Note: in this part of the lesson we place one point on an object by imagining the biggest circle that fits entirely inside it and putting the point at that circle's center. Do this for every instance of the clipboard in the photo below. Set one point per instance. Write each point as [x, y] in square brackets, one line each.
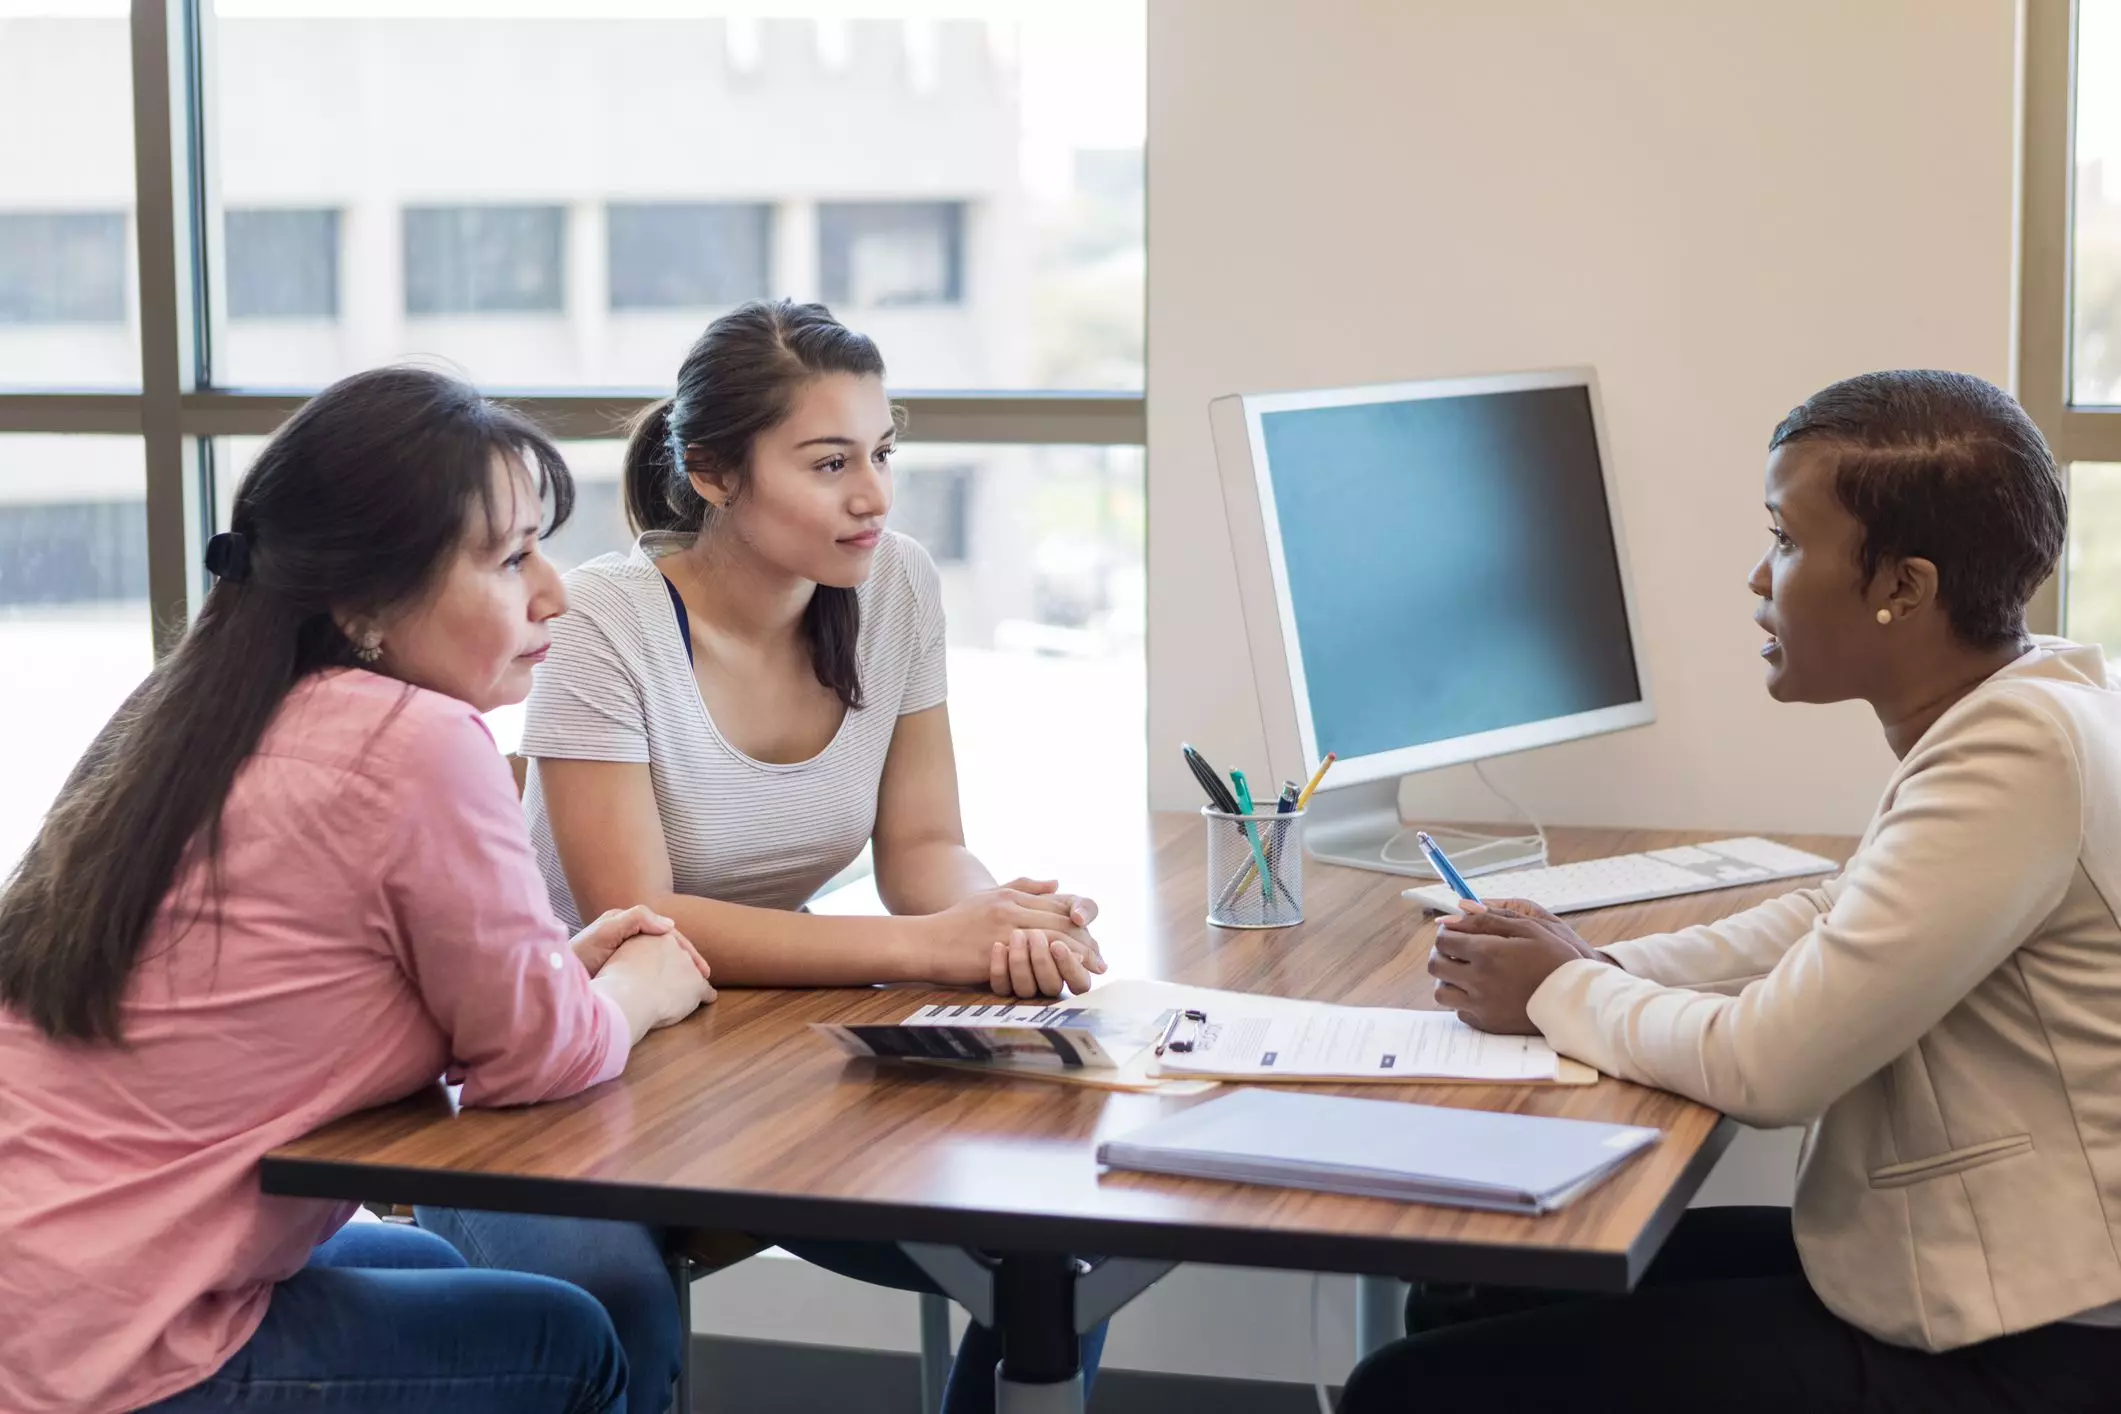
[1209, 1031]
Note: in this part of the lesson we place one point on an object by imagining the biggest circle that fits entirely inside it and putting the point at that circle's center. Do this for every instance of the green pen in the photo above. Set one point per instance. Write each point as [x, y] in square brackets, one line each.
[1259, 856]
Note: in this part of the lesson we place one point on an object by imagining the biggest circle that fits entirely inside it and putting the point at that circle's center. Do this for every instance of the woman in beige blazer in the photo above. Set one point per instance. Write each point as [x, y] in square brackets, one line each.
[1944, 1014]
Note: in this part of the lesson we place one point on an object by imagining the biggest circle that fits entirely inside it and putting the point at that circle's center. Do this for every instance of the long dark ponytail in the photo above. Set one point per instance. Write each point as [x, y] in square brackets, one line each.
[737, 381]
[356, 505]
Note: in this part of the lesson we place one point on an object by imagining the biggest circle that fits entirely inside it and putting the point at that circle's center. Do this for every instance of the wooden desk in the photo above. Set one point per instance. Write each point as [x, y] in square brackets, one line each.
[743, 1118]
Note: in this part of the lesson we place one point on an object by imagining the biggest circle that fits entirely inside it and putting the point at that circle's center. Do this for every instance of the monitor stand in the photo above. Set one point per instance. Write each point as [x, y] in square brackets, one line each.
[1360, 826]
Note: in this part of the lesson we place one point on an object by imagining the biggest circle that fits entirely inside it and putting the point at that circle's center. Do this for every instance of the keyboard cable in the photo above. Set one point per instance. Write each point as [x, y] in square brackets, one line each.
[1539, 831]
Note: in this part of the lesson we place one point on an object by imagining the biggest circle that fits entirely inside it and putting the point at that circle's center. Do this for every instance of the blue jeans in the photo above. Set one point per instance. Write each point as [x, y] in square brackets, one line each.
[388, 1317]
[621, 1264]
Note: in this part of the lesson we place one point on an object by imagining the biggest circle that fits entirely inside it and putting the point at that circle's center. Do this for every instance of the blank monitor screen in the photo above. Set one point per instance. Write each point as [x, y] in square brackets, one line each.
[1450, 565]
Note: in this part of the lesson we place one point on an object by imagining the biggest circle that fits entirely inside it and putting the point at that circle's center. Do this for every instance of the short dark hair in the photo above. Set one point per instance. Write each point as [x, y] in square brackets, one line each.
[1948, 468]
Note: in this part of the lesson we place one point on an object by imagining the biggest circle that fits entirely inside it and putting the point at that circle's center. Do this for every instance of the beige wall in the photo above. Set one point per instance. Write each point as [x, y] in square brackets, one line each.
[1722, 206]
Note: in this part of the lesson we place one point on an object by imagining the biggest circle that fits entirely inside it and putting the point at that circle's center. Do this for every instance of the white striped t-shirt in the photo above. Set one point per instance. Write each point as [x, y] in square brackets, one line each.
[618, 686]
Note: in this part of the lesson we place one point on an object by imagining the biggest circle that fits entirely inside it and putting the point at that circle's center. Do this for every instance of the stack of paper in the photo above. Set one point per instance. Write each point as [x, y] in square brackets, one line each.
[1383, 1149]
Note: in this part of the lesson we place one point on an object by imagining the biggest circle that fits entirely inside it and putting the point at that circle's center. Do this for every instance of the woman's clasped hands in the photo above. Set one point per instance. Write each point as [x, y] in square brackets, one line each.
[650, 968]
[1024, 938]
[1491, 957]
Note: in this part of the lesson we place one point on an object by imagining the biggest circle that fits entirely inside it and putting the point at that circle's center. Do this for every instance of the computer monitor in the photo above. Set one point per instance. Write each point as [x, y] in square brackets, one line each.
[1431, 573]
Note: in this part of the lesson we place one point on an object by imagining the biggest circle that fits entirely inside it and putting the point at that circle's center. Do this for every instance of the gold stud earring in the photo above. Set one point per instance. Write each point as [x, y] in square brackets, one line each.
[1885, 616]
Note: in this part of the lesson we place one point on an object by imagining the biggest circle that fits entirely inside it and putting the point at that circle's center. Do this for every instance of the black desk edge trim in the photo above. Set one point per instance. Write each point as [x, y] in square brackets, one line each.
[1650, 1241]
[766, 1214]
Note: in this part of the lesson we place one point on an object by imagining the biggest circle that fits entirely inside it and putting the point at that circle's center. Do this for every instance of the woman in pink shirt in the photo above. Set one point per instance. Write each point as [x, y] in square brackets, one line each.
[291, 880]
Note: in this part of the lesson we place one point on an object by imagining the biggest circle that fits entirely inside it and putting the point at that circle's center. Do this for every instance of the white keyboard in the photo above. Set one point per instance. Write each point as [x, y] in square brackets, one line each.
[1631, 878]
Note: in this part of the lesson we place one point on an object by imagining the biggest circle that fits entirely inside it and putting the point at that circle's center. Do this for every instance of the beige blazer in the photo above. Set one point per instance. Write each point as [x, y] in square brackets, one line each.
[1945, 1014]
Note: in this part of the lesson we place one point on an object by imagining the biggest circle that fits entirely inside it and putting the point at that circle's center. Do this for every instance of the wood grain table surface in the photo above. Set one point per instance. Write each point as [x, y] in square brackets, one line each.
[742, 1118]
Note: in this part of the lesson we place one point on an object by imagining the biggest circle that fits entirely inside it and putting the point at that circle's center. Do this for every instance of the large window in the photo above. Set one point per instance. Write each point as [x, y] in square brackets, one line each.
[2095, 345]
[2070, 333]
[554, 197]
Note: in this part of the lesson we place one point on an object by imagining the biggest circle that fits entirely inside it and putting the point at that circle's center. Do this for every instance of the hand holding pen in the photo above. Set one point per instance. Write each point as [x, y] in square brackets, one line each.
[1445, 869]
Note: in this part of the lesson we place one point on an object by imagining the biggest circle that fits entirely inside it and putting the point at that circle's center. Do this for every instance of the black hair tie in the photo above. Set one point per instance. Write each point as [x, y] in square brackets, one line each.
[228, 557]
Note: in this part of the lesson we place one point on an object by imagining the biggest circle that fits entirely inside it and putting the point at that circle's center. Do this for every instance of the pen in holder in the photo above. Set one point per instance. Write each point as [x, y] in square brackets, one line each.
[1255, 868]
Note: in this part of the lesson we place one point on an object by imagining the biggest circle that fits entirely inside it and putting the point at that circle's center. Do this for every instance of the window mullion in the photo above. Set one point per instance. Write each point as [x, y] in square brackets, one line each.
[164, 151]
[2043, 237]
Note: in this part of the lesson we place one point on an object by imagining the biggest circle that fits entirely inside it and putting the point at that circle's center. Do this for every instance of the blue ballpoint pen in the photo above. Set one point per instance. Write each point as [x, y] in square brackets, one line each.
[1259, 856]
[1445, 870]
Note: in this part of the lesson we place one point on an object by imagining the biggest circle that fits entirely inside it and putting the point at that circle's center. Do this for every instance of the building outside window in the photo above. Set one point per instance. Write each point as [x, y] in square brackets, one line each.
[283, 264]
[485, 259]
[688, 255]
[875, 254]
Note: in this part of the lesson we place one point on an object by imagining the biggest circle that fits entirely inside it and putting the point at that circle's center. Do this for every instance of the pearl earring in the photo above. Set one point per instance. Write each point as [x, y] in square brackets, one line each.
[368, 648]
[1885, 616]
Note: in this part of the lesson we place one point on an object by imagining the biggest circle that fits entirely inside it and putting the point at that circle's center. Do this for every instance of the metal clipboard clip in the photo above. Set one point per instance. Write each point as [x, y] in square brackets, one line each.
[1172, 1041]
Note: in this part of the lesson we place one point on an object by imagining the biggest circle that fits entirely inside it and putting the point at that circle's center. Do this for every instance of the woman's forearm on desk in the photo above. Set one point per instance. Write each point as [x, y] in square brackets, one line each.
[773, 947]
[1729, 953]
[928, 876]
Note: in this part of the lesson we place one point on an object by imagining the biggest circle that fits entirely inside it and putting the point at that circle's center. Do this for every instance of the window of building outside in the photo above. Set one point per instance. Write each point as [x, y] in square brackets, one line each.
[874, 254]
[62, 267]
[283, 264]
[2092, 578]
[688, 255]
[485, 259]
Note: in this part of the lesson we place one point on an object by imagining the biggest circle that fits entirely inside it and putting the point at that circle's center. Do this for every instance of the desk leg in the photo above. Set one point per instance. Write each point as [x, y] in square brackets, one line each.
[935, 1351]
[1034, 1309]
[1041, 1303]
[1380, 1314]
[682, 1271]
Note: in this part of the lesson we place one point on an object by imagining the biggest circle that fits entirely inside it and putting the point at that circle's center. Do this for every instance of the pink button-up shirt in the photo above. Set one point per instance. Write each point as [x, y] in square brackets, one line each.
[383, 922]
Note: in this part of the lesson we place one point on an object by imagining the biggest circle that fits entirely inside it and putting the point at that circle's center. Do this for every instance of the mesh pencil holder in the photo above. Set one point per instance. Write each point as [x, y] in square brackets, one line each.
[1240, 893]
